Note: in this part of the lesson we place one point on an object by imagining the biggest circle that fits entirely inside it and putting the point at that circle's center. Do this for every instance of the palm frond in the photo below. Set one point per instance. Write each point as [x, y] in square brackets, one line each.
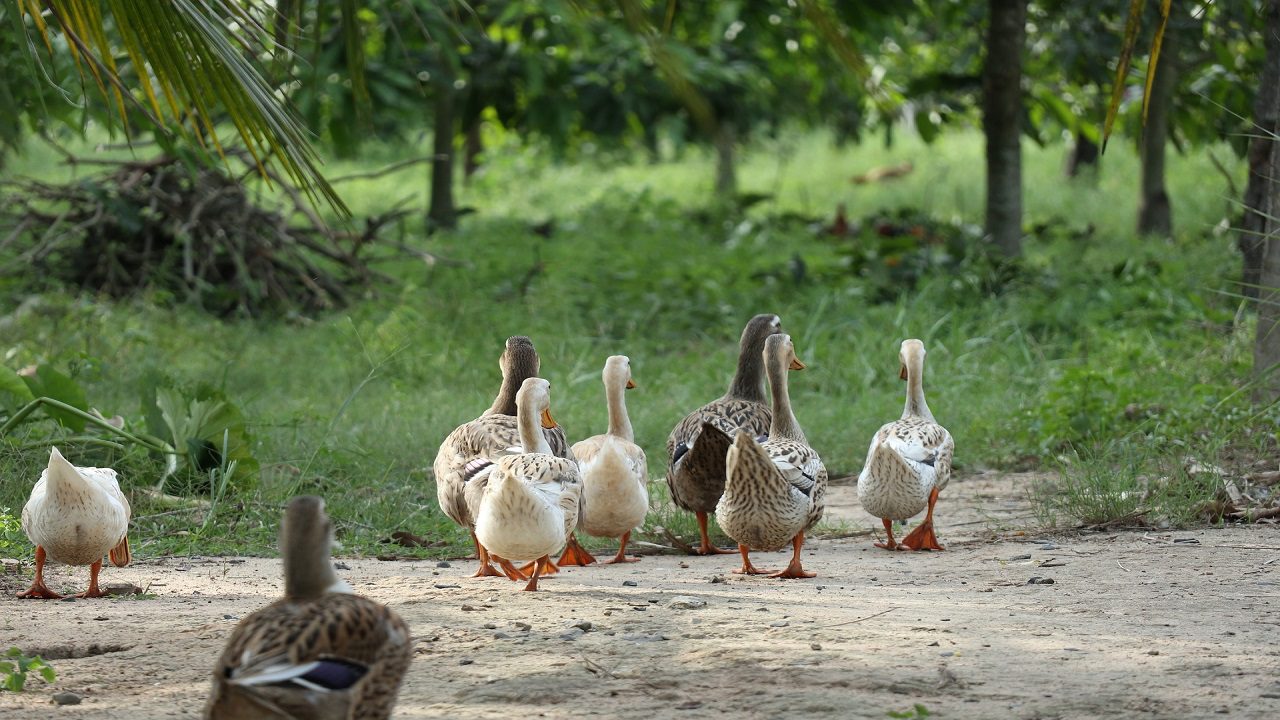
[189, 70]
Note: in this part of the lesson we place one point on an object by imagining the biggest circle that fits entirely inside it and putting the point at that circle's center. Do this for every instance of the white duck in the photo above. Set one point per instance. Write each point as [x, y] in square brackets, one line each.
[615, 496]
[530, 502]
[320, 651]
[909, 461]
[75, 516]
[774, 491]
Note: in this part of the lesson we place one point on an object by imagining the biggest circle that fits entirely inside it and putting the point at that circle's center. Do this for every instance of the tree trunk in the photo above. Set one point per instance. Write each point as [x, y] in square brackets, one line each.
[726, 173]
[1155, 213]
[442, 214]
[474, 146]
[1083, 156]
[1266, 353]
[1002, 122]
[1266, 120]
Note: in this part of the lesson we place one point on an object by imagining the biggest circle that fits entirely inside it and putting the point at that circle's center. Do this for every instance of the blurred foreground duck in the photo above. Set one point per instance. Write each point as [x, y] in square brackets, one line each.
[465, 457]
[697, 447]
[775, 490]
[615, 494]
[319, 652]
[909, 461]
[530, 502]
[75, 516]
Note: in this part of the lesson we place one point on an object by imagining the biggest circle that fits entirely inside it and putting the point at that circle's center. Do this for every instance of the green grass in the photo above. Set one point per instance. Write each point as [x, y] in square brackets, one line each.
[353, 405]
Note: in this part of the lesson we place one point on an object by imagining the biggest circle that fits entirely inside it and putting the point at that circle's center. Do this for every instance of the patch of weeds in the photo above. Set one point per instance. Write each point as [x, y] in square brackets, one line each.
[13, 542]
[1123, 483]
[14, 667]
[916, 711]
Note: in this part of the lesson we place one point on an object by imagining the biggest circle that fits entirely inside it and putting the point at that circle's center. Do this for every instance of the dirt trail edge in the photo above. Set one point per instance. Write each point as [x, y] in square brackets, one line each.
[1130, 624]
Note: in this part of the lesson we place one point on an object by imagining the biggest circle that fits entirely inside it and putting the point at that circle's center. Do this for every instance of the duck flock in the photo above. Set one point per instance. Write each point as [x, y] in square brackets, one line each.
[513, 480]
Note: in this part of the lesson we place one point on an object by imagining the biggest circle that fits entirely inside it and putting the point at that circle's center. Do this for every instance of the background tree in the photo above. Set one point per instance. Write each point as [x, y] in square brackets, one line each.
[1002, 111]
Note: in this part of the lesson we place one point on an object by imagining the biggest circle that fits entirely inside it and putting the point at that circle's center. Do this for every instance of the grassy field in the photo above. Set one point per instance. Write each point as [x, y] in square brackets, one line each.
[1128, 350]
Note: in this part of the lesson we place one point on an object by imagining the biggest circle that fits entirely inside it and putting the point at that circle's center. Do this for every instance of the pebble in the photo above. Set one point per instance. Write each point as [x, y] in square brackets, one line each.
[716, 579]
[779, 623]
[685, 602]
[1153, 652]
[933, 644]
[1040, 581]
[583, 625]
[815, 646]
[572, 633]
[1019, 557]
[445, 586]
[1049, 546]
[640, 637]
[523, 626]
[629, 583]
[489, 626]
[443, 564]
[468, 608]
[500, 635]
[66, 698]
[230, 617]
[947, 653]
[466, 661]
[341, 566]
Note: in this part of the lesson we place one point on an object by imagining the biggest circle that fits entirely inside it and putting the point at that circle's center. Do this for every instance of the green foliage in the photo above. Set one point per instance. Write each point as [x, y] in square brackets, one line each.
[13, 542]
[48, 382]
[917, 711]
[207, 428]
[14, 667]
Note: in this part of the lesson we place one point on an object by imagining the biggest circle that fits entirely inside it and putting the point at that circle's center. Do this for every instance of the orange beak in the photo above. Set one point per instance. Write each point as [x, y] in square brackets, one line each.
[548, 422]
[902, 374]
[631, 384]
[796, 364]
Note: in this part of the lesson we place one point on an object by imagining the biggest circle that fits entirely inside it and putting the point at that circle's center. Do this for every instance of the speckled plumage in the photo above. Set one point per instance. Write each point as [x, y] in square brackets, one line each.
[530, 503]
[317, 653]
[909, 460]
[475, 445]
[697, 446]
[75, 516]
[775, 490]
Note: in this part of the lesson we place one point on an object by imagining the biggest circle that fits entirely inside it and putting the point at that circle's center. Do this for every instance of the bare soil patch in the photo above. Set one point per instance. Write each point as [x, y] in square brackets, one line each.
[1127, 624]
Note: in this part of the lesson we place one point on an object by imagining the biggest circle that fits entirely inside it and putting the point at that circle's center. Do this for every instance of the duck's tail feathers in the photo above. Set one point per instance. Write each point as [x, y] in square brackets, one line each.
[709, 449]
[120, 555]
[889, 460]
[746, 455]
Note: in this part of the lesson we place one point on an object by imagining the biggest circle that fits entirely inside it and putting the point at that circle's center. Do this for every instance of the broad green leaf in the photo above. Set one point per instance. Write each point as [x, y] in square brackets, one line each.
[48, 382]
[14, 393]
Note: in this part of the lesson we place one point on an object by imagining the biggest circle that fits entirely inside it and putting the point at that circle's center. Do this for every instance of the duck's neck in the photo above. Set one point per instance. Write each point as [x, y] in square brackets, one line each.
[532, 438]
[619, 421]
[784, 424]
[505, 403]
[308, 571]
[916, 406]
[746, 381]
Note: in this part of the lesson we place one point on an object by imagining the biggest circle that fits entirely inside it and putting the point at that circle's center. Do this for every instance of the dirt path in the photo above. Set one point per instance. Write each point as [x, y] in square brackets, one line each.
[1161, 625]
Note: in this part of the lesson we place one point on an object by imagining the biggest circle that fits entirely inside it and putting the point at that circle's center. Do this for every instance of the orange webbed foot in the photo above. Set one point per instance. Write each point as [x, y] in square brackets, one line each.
[539, 566]
[39, 591]
[922, 538]
[747, 568]
[511, 571]
[575, 554]
[486, 570]
[794, 573]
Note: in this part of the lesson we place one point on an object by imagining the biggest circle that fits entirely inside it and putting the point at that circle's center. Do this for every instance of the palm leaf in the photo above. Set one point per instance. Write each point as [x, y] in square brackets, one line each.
[187, 52]
[1131, 27]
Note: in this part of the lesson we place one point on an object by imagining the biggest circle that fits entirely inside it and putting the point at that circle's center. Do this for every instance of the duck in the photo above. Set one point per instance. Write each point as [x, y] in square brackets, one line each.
[76, 516]
[472, 448]
[697, 446]
[530, 503]
[615, 495]
[320, 651]
[774, 490]
[909, 461]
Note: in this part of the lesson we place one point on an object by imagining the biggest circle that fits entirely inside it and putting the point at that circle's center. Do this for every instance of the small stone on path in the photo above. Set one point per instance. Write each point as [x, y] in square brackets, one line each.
[66, 698]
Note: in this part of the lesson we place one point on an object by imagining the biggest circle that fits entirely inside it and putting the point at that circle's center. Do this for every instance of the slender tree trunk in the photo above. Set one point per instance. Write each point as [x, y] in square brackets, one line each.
[474, 147]
[1083, 157]
[1002, 122]
[443, 214]
[1155, 212]
[1266, 121]
[1266, 354]
[726, 172]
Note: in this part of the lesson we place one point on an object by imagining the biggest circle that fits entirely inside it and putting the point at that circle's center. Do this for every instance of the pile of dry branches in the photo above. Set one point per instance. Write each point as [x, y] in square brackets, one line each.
[192, 231]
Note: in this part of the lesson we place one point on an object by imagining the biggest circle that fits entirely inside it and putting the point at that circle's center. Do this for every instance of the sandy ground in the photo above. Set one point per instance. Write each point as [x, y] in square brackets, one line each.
[1150, 625]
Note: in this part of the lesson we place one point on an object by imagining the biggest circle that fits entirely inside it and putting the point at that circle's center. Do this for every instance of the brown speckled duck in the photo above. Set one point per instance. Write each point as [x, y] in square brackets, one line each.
[697, 447]
[76, 515]
[909, 461]
[318, 652]
[468, 452]
[775, 490]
